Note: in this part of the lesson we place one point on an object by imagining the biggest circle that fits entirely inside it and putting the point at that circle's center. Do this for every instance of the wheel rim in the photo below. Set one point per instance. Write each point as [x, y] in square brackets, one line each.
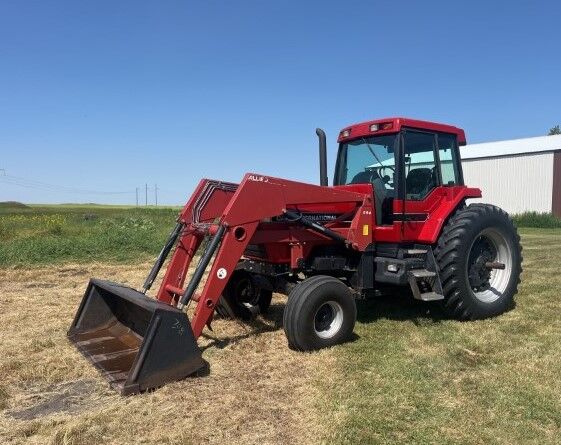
[328, 319]
[488, 285]
[246, 294]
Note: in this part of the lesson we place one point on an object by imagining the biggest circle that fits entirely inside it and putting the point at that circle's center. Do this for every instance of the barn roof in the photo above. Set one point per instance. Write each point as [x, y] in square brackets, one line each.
[511, 147]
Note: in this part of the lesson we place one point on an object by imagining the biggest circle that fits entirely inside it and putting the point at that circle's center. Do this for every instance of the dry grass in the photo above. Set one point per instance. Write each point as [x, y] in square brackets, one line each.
[258, 390]
[409, 377]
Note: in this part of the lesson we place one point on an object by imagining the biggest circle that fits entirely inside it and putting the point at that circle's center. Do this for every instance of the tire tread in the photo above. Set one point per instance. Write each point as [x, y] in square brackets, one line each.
[452, 240]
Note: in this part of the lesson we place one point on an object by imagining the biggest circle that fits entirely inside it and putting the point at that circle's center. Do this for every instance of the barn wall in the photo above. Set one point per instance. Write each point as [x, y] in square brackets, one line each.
[556, 193]
[516, 183]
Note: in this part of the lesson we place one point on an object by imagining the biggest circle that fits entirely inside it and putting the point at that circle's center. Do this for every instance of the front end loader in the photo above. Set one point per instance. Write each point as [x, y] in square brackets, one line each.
[396, 216]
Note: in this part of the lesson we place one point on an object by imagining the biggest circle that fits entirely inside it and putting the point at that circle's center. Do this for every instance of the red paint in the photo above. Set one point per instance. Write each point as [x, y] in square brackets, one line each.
[257, 198]
[250, 207]
[438, 206]
[362, 129]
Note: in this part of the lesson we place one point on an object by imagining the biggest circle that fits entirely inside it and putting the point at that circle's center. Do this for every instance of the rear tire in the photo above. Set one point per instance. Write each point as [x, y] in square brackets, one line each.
[475, 236]
[320, 312]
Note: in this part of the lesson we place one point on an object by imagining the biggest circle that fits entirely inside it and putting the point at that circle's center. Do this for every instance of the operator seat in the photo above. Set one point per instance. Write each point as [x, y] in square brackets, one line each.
[420, 181]
[380, 193]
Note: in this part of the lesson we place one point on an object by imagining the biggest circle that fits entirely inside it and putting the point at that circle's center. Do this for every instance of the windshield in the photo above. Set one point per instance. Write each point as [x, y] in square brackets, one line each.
[368, 160]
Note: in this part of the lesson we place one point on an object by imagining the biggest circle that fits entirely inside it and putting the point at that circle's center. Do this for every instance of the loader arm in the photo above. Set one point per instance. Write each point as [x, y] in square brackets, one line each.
[237, 215]
[205, 206]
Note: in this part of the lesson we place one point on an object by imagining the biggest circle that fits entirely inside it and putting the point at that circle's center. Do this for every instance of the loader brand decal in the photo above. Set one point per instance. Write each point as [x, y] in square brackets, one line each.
[321, 217]
[316, 217]
[256, 178]
[178, 327]
[221, 273]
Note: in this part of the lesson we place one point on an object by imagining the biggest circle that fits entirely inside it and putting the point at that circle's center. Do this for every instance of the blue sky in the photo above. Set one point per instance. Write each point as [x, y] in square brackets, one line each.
[108, 95]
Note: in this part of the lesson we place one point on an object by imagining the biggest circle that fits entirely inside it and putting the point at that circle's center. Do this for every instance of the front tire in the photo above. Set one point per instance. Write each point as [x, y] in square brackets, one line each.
[474, 239]
[320, 312]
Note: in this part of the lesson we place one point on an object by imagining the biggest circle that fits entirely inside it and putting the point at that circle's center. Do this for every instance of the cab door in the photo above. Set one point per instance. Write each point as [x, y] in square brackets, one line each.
[429, 174]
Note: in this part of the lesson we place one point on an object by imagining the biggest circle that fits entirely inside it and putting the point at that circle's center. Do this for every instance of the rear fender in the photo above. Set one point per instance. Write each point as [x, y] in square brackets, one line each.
[433, 212]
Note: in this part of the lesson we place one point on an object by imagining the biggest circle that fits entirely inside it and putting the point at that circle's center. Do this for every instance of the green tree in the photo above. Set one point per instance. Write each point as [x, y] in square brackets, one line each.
[554, 130]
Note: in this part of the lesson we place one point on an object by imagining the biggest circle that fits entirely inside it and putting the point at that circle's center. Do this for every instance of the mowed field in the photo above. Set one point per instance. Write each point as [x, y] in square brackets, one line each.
[409, 376]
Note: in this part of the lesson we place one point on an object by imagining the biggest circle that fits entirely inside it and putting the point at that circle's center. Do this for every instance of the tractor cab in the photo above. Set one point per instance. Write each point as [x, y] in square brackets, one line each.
[404, 160]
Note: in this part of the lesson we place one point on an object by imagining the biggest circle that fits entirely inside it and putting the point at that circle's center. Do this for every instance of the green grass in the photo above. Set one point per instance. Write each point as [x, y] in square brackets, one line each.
[413, 377]
[539, 220]
[81, 233]
[50, 234]
[410, 376]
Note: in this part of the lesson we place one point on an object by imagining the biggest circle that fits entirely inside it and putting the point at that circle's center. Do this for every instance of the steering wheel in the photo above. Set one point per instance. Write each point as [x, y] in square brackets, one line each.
[383, 167]
[383, 174]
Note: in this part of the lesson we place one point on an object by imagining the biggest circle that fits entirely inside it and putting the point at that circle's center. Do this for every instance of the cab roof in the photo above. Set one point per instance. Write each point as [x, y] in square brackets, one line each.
[391, 125]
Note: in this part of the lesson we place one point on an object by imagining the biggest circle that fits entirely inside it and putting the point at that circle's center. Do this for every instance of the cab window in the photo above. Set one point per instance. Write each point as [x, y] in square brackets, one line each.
[449, 165]
[366, 160]
[371, 160]
[421, 175]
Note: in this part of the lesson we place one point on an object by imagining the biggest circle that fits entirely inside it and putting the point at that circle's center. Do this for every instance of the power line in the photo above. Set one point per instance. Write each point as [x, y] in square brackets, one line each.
[48, 187]
[44, 186]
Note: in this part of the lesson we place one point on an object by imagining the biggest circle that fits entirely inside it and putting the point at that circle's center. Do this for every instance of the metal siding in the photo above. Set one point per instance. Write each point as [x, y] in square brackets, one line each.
[538, 144]
[515, 183]
[556, 192]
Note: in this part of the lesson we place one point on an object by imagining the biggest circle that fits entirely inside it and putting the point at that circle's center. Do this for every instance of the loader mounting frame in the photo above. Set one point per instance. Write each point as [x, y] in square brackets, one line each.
[228, 213]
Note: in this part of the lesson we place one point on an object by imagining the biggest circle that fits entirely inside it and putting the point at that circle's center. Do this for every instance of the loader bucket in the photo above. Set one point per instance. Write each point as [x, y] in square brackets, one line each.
[135, 341]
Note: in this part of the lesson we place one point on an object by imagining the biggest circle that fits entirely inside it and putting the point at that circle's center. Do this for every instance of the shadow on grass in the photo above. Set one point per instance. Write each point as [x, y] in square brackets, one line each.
[269, 322]
[398, 305]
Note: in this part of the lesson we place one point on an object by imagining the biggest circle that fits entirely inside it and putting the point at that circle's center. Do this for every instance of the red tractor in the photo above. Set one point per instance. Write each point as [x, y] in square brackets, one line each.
[396, 215]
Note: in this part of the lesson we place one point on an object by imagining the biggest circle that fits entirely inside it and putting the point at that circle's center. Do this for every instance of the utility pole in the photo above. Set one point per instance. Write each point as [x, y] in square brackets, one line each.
[137, 196]
[146, 193]
[156, 193]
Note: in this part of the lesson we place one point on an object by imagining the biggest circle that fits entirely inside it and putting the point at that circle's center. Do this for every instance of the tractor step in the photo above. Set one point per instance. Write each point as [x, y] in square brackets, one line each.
[416, 251]
[430, 296]
[422, 273]
[428, 278]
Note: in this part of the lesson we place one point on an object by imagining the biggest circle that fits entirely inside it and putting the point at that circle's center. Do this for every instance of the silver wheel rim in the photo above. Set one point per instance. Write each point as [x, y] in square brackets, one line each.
[328, 319]
[499, 278]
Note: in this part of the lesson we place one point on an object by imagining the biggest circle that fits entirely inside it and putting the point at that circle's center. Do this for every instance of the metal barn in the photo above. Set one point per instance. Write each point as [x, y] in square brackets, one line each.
[518, 175]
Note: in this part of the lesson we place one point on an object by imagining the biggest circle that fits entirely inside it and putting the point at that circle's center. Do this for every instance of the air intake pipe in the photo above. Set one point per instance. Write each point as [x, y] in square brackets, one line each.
[322, 158]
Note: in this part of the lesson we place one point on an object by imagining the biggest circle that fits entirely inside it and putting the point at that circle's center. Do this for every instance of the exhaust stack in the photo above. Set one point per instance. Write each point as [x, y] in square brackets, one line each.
[322, 158]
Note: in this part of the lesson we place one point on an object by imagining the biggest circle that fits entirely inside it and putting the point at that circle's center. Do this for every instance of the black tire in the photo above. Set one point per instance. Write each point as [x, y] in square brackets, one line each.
[244, 298]
[469, 240]
[310, 306]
